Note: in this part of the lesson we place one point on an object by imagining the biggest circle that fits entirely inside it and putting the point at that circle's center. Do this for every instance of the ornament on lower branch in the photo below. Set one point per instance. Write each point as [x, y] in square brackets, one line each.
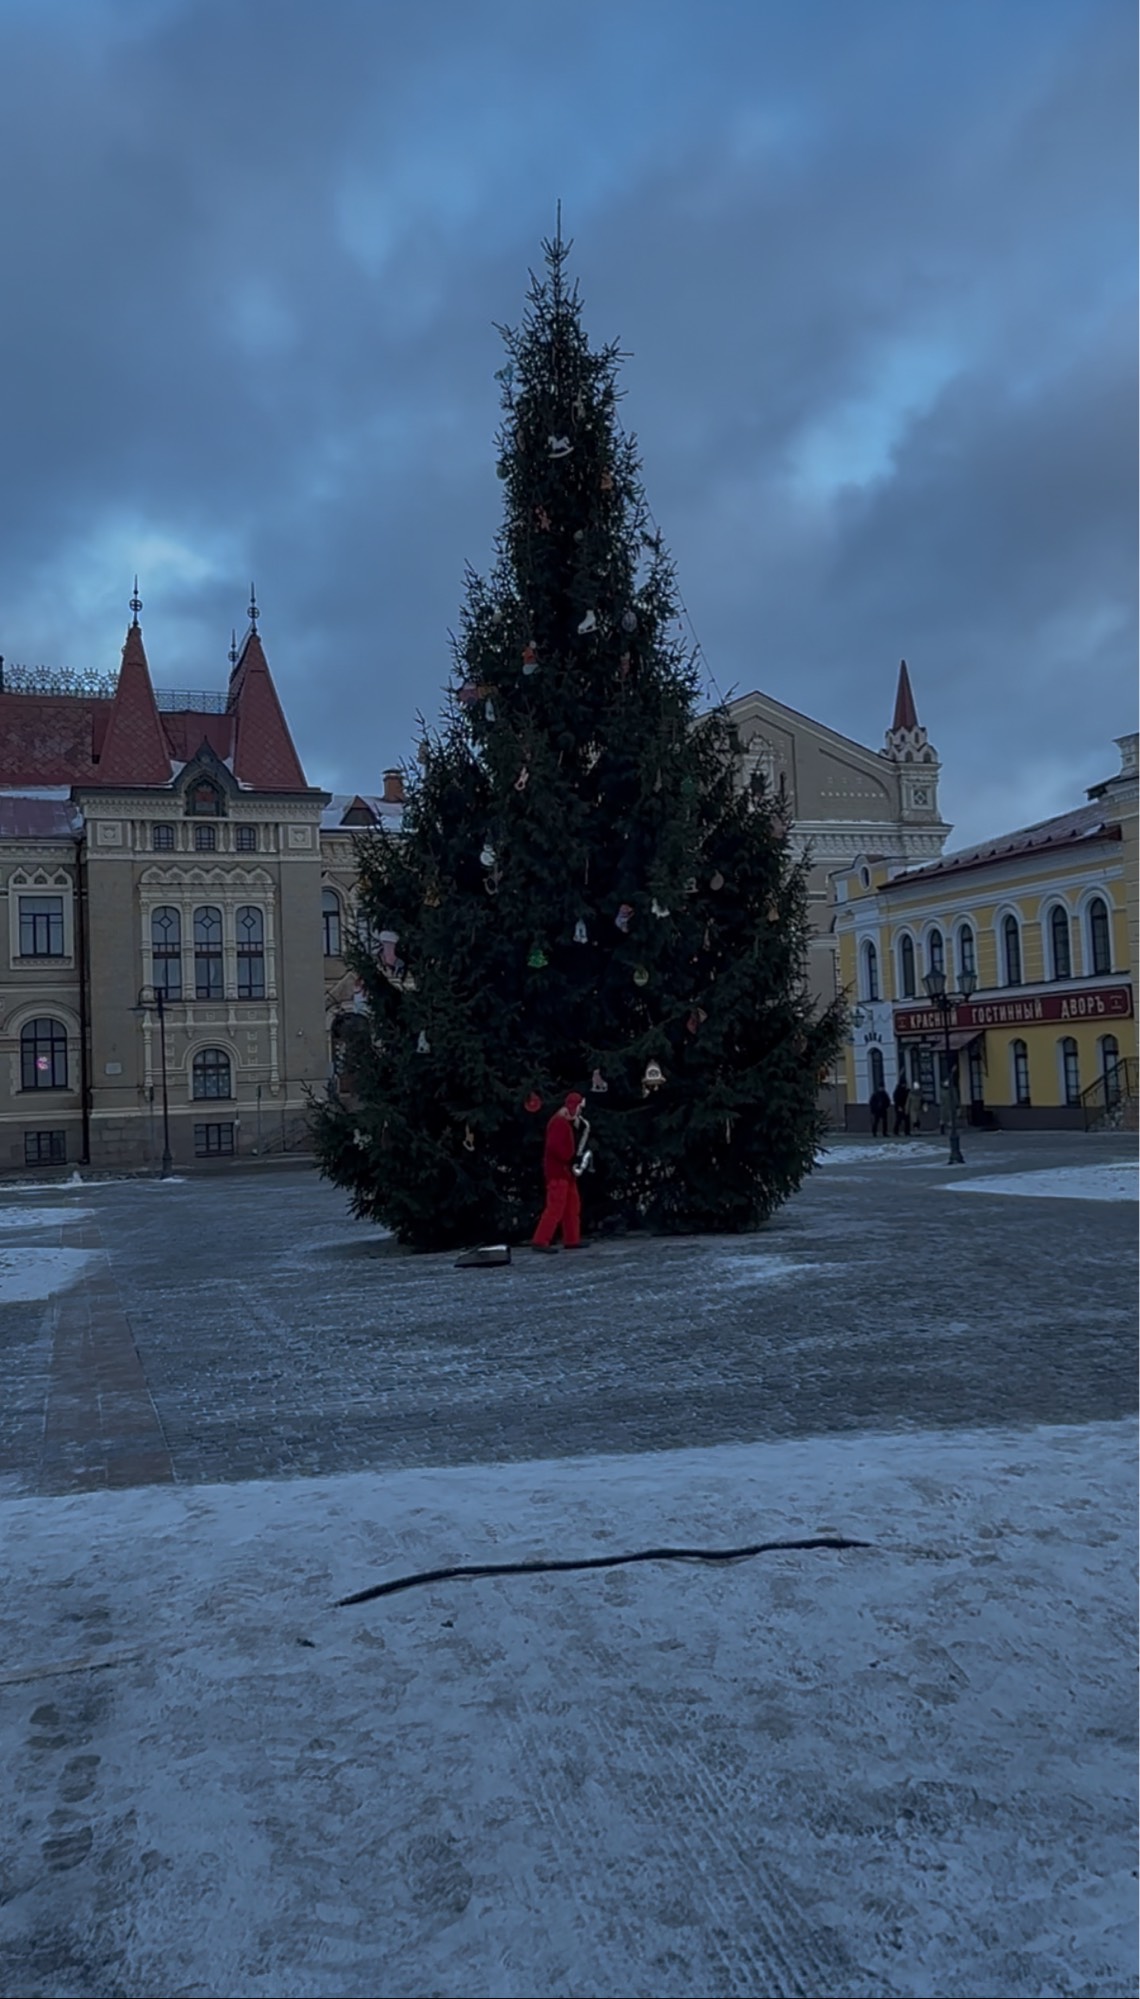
[580, 934]
[542, 518]
[625, 666]
[640, 976]
[695, 1018]
[530, 658]
[588, 624]
[388, 940]
[658, 908]
[598, 1083]
[624, 917]
[653, 1078]
[468, 1139]
[537, 958]
[559, 447]
[423, 1045]
[532, 1102]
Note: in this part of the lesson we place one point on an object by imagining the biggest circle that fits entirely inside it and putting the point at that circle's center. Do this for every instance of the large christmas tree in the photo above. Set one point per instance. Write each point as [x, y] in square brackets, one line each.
[583, 895]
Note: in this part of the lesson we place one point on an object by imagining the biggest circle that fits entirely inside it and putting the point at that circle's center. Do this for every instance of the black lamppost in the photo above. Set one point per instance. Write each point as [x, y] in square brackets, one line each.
[935, 983]
[152, 996]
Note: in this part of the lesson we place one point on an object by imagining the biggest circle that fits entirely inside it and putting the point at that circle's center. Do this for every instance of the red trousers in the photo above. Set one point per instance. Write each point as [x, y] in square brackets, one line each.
[563, 1210]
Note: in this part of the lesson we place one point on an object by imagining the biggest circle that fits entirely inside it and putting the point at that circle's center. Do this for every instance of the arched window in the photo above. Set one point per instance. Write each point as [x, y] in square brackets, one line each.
[1100, 936]
[166, 952]
[250, 926]
[1110, 1067]
[43, 1055]
[976, 1069]
[1060, 942]
[935, 952]
[967, 951]
[876, 1060]
[907, 986]
[1011, 947]
[1020, 1054]
[208, 954]
[870, 972]
[204, 800]
[330, 916]
[210, 1075]
[1070, 1070]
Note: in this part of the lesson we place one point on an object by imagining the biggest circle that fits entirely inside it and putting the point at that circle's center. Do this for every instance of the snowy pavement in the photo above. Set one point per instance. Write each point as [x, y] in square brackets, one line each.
[908, 1769]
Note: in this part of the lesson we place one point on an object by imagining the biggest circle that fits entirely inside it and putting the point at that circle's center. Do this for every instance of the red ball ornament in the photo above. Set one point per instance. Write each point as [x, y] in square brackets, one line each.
[533, 1102]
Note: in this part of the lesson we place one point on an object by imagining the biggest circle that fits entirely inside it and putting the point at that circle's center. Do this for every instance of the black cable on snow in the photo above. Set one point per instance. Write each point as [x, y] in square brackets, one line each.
[838, 1541]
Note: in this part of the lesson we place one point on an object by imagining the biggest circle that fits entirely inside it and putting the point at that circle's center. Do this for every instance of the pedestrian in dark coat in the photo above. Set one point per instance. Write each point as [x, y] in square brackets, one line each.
[901, 1101]
[880, 1111]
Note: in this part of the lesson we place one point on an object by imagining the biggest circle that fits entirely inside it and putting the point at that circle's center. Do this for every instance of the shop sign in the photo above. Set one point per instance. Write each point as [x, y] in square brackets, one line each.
[1093, 1003]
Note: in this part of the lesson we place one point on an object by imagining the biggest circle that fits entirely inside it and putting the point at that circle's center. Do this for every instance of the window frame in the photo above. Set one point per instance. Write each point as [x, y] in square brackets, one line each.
[251, 954]
[245, 839]
[33, 942]
[966, 949]
[205, 837]
[162, 837]
[30, 1054]
[211, 1066]
[332, 914]
[871, 991]
[1100, 935]
[225, 1149]
[908, 967]
[936, 951]
[206, 953]
[57, 1148]
[1019, 1051]
[1070, 1057]
[165, 956]
[1059, 915]
[1011, 933]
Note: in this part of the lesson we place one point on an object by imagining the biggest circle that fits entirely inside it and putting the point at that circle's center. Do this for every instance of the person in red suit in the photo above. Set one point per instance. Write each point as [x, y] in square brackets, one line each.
[563, 1208]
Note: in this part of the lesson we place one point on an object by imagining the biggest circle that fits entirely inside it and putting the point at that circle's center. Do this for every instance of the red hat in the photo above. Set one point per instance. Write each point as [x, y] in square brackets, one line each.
[574, 1102]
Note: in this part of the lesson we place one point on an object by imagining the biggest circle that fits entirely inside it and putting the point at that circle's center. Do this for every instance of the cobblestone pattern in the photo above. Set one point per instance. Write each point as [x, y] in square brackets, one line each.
[277, 1337]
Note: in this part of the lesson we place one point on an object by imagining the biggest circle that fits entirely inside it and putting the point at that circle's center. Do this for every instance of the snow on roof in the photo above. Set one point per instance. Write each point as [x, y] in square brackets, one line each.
[1067, 829]
[383, 812]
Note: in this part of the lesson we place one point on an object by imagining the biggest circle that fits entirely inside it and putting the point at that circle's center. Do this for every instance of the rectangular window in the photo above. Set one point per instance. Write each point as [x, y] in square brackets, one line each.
[45, 1148]
[208, 953]
[162, 839]
[41, 926]
[247, 839]
[213, 1141]
[1021, 1074]
[205, 839]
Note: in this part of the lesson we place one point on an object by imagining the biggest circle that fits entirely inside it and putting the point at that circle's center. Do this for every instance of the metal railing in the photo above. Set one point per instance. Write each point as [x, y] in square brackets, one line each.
[1106, 1101]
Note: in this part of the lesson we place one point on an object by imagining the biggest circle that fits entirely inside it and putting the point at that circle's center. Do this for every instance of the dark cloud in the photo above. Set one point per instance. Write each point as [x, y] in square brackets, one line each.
[875, 265]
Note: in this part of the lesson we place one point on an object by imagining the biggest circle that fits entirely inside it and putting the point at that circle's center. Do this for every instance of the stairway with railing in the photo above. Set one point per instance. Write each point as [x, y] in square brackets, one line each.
[1110, 1104]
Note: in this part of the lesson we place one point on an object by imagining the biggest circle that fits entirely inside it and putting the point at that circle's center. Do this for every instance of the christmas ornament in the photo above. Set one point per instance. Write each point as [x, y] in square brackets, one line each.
[423, 1045]
[502, 468]
[542, 517]
[533, 1102]
[537, 958]
[653, 1078]
[579, 408]
[598, 1083]
[559, 447]
[592, 755]
[695, 1018]
[728, 1131]
[579, 534]
[628, 621]
[388, 941]
[707, 944]
[589, 624]
[491, 881]
[691, 885]
[606, 482]
[523, 779]
[624, 665]
[773, 912]
[530, 659]
[580, 936]
[423, 753]
[489, 710]
[360, 1138]
[717, 880]
[506, 373]
[487, 857]
[468, 694]
[468, 1139]
[640, 976]
[432, 897]
[624, 917]
[657, 782]
[496, 616]
[657, 908]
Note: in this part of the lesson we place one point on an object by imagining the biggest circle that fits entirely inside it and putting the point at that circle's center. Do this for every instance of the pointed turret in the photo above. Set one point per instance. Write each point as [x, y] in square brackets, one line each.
[906, 715]
[264, 756]
[135, 750]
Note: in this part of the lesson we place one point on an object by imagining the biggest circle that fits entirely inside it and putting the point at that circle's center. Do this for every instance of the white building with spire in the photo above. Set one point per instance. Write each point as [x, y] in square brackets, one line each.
[845, 802]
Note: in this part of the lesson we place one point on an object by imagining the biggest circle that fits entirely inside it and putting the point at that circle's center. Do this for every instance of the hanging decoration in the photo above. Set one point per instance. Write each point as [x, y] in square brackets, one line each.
[624, 665]
[653, 1078]
[530, 658]
[487, 857]
[717, 880]
[695, 1018]
[388, 940]
[598, 1083]
[423, 1045]
[691, 885]
[579, 408]
[559, 447]
[543, 518]
[640, 976]
[657, 782]
[423, 753]
[503, 469]
[489, 710]
[624, 917]
[468, 694]
[707, 944]
[657, 908]
[607, 482]
[728, 1131]
[628, 621]
[588, 624]
[533, 1102]
[523, 779]
[491, 881]
[579, 534]
[580, 936]
[432, 896]
[773, 911]
[468, 1139]
[537, 958]
[360, 1138]
[496, 616]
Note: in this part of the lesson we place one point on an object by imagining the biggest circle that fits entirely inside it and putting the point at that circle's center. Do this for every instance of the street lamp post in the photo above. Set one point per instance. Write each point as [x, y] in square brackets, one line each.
[153, 997]
[935, 983]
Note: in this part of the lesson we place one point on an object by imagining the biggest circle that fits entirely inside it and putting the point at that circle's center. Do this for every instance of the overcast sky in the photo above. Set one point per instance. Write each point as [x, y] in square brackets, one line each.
[873, 260]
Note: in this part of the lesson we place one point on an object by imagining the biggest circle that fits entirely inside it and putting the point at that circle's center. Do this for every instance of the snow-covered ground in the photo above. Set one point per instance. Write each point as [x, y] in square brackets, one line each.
[902, 1770]
[1120, 1182]
[895, 1149]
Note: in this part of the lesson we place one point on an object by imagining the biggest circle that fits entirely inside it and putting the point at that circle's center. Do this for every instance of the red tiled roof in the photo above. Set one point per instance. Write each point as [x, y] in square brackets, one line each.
[49, 738]
[24, 818]
[135, 751]
[1068, 829]
[185, 729]
[264, 756]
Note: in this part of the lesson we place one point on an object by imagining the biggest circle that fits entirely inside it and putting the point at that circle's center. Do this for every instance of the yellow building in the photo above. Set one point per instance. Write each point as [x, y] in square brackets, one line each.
[1045, 920]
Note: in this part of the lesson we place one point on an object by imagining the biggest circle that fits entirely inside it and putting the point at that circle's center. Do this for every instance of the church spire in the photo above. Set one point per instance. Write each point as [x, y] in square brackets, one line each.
[906, 715]
[135, 750]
